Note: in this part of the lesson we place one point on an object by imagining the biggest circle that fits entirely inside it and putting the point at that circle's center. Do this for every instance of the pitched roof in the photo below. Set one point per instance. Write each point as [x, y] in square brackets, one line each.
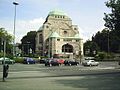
[54, 35]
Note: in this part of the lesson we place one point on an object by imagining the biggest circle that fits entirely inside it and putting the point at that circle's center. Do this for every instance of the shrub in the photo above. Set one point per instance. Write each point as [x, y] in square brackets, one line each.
[101, 55]
[19, 60]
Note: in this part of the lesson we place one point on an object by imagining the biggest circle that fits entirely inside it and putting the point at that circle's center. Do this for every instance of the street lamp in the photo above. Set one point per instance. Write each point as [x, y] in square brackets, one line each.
[15, 3]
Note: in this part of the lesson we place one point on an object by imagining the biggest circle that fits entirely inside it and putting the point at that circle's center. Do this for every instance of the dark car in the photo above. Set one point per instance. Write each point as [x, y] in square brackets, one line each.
[29, 61]
[119, 63]
[42, 61]
[70, 63]
[51, 62]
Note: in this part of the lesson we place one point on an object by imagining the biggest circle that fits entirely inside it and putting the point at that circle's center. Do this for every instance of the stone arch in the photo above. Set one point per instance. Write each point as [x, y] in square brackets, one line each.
[67, 48]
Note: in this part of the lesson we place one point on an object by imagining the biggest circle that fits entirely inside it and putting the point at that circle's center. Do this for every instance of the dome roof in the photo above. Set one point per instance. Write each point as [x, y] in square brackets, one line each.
[57, 12]
[54, 35]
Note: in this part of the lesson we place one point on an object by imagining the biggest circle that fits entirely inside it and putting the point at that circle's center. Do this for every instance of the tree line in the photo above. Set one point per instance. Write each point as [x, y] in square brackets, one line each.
[107, 40]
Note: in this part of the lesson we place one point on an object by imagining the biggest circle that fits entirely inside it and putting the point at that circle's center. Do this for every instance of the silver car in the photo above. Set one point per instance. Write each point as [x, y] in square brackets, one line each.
[7, 61]
[90, 63]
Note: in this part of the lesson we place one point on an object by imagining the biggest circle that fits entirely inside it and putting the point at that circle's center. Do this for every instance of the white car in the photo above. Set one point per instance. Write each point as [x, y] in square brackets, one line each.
[7, 60]
[90, 63]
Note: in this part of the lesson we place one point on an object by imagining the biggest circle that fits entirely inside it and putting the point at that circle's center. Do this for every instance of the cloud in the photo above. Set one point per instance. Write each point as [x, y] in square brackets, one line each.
[22, 27]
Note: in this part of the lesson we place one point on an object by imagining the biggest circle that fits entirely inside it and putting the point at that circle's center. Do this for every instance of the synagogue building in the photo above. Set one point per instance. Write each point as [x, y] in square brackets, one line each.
[59, 37]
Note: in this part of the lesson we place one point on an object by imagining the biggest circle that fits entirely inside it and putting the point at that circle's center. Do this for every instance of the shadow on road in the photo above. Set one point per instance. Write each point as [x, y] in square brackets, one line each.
[97, 82]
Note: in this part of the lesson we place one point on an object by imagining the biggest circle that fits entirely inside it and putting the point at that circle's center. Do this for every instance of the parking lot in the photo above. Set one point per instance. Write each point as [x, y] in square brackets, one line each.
[39, 77]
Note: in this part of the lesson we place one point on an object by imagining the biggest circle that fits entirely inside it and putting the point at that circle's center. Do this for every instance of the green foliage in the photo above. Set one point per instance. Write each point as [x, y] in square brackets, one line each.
[19, 60]
[28, 41]
[112, 22]
[9, 56]
[113, 19]
[1, 54]
[102, 39]
[104, 56]
[109, 38]
[101, 55]
[4, 36]
[90, 48]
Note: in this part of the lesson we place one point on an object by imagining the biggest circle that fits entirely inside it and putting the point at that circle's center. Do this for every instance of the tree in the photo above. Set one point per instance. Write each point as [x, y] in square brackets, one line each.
[4, 35]
[112, 22]
[28, 42]
[102, 39]
[90, 48]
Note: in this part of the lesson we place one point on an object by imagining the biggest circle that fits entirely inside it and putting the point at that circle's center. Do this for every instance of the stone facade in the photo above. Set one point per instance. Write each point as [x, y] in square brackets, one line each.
[57, 36]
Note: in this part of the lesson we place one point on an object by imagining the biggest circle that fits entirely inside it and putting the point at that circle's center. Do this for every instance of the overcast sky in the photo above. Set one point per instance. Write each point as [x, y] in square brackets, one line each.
[87, 14]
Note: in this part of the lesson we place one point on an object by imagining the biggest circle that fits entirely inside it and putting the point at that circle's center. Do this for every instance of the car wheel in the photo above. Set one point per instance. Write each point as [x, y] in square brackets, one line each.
[59, 64]
[90, 65]
[97, 65]
[50, 65]
[70, 64]
[77, 64]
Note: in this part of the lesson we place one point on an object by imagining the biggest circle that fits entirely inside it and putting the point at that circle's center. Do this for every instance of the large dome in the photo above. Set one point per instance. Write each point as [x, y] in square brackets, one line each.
[57, 12]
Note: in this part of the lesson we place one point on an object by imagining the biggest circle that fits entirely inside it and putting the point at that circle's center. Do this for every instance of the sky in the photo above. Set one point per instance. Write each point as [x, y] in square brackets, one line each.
[30, 15]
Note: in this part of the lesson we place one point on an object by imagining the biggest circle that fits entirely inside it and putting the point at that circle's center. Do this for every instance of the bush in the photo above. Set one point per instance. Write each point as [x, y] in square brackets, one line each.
[1, 54]
[104, 55]
[101, 55]
[19, 60]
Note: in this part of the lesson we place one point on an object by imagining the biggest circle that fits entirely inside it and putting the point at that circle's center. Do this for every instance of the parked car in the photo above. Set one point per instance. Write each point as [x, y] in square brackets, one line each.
[42, 61]
[51, 62]
[29, 61]
[60, 61]
[90, 63]
[70, 63]
[7, 61]
[119, 63]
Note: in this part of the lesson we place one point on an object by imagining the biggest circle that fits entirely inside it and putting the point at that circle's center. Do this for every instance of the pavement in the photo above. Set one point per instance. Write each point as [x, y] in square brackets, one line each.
[39, 77]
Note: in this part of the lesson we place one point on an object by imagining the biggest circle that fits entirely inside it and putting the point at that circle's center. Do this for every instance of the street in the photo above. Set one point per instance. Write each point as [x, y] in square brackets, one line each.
[106, 76]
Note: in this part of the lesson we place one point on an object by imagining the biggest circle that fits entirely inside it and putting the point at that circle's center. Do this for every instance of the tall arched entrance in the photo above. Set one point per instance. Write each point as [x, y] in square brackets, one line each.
[67, 48]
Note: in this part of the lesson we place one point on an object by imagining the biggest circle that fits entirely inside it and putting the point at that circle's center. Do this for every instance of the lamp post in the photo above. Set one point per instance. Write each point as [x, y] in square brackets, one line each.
[15, 3]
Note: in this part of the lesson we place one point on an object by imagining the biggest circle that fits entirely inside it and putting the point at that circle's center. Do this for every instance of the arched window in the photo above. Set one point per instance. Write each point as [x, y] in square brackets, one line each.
[40, 38]
[67, 48]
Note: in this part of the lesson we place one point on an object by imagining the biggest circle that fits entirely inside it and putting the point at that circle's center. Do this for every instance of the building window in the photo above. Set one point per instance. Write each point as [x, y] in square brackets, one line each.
[75, 28]
[47, 26]
[40, 38]
[77, 40]
[58, 39]
[65, 32]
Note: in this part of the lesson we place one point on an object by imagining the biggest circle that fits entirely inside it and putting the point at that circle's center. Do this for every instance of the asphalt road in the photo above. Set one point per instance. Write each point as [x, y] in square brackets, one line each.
[106, 76]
